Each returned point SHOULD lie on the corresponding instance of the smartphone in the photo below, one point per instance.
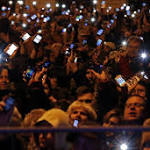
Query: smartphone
(120, 80)
(68, 52)
(37, 20)
(46, 19)
(75, 124)
(84, 42)
(100, 32)
(33, 17)
(10, 49)
(9, 103)
(128, 13)
(112, 21)
(46, 64)
(29, 73)
(99, 42)
(37, 39)
(76, 60)
(26, 36)
(69, 25)
(71, 46)
(64, 30)
(77, 18)
(39, 31)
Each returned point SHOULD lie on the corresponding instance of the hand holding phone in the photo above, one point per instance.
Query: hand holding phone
(37, 39)
(99, 42)
(11, 49)
(119, 79)
(100, 32)
(26, 36)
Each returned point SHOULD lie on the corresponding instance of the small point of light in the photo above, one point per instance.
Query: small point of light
(127, 8)
(134, 12)
(12, 22)
(142, 73)
(133, 15)
(94, 10)
(124, 43)
(25, 15)
(57, 4)
(68, 11)
(64, 30)
(139, 10)
(39, 31)
(125, 15)
(42, 16)
(94, 2)
(34, 3)
(48, 5)
(143, 55)
(63, 6)
(93, 19)
(20, 2)
(109, 7)
(123, 146)
(141, 38)
(107, 10)
(24, 25)
(10, 2)
(124, 5)
(81, 7)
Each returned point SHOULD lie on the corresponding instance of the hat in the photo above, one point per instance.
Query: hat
(56, 117)
(110, 44)
(90, 111)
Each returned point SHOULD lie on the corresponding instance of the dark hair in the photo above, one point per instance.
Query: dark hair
(82, 90)
(5, 67)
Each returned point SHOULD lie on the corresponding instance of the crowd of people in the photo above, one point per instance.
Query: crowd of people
(74, 67)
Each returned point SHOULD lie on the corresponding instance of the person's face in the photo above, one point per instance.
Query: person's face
(139, 90)
(80, 115)
(134, 108)
(87, 98)
(133, 48)
(4, 80)
(53, 55)
(111, 122)
(45, 140)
